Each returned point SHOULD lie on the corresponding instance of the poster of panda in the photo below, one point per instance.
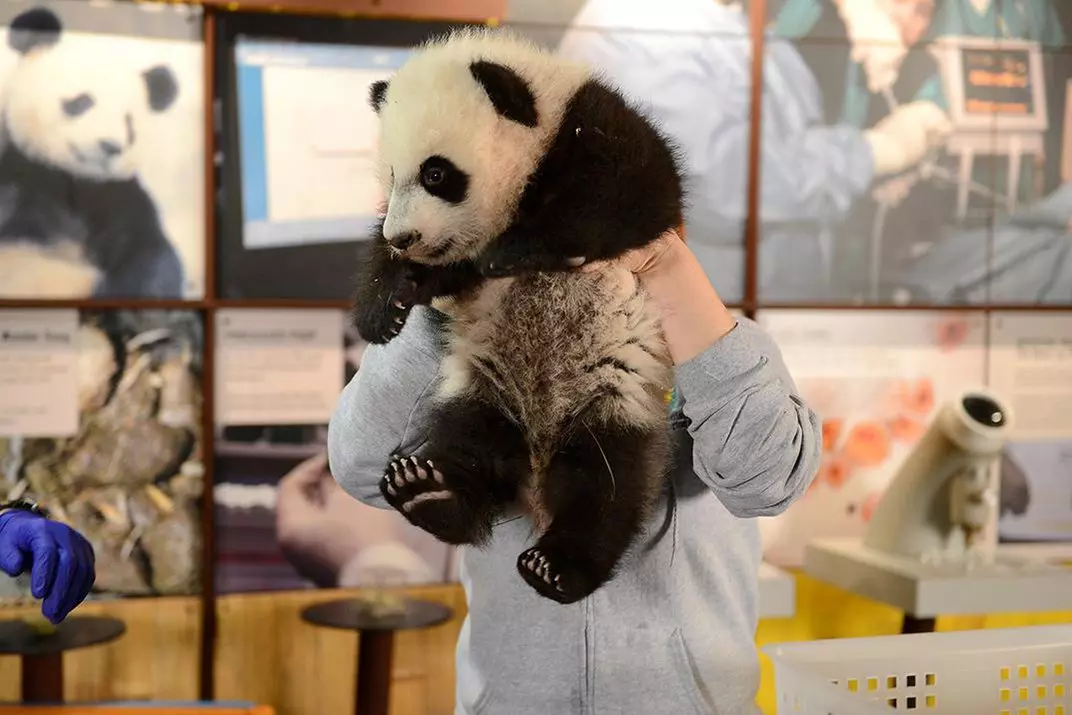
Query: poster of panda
(282, 521)
(102, 150)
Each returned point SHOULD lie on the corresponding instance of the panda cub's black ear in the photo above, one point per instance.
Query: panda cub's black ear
(377, 93)
(162, 87)
(508, 91)
(38, 27)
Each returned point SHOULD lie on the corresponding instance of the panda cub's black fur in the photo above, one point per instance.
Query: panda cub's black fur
(111, 221)
(553, 390)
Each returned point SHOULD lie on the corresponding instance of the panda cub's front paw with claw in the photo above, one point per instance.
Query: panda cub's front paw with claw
(418, 490)
(557, 574)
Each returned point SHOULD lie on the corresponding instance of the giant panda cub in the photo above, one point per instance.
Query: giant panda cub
(506, 167)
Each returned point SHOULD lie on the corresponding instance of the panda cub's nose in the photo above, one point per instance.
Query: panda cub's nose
(110, 148)
(404, 240)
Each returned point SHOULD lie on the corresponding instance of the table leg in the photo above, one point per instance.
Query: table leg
(42, 678)
(911, 624)
(374, 653)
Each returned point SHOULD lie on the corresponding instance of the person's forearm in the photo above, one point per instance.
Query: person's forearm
(693, 316)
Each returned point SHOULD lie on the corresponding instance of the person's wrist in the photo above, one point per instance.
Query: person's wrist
(666, 264)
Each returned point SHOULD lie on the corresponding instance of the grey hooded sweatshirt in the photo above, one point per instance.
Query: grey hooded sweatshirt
(674, 632)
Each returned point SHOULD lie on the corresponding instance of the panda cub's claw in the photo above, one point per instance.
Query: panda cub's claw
(418, 490)
(553, 574)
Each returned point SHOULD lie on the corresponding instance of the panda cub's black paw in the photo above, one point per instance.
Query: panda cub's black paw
(503, 263)
(418, 490)
(380, 323)
(556, 574)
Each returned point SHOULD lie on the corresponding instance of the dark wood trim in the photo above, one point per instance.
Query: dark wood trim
(757, 23)
(207, 677)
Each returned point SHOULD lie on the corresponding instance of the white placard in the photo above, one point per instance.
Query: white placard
(877, 379)
(1031, 368)
(278, 366)
(38, 373)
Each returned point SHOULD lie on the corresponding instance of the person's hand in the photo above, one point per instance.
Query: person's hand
(903, 138)
(319, 526)
(645, 260)
(61, 562)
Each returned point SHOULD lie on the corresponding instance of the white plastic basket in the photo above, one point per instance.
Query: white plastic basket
(1008, 671)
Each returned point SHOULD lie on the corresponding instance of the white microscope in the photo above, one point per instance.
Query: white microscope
(931, 546)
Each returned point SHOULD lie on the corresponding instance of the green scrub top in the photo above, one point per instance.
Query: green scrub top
(1034, 20)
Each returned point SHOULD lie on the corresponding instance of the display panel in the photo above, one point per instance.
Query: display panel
(688, 65)
(877, 379)
(1031, 367)
(307, 140)
(943, 179)
(298, 142)
(282, 521)
(129, 476)
(102, 170)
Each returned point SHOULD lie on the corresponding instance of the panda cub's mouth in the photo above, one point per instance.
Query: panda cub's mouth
(101, 160)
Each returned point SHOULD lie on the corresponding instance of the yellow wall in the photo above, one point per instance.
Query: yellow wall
(268, 655)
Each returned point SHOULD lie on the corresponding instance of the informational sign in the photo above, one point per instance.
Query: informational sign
(877, 380)
(1031, 368)
(38, 373)
(278, 366)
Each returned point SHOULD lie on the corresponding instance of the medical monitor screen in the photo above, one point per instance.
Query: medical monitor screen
(307, 140)
(998, 82)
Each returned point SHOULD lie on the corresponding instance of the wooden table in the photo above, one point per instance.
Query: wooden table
(42, 654)
(375, 647)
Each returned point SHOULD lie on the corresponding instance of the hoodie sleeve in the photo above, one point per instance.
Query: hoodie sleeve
(755, 443)
(382, 409)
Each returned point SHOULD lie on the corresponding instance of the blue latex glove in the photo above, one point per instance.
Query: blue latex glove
(60, 560)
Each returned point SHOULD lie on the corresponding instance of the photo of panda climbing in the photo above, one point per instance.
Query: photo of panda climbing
(931, 159)
(101, 159)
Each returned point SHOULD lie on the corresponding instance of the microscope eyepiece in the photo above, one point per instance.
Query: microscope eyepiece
(984, 410)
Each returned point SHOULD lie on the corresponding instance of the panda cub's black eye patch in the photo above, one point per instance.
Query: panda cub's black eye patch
(78, 106)
(442, 179)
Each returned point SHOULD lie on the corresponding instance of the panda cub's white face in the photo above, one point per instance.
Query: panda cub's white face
(65, 110)
(452, 166)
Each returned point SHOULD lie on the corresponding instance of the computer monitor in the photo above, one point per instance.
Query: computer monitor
(299, 192)
(993, 86)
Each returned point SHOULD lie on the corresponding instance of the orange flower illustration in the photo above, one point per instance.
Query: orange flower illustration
(906, 429)
(951, 333)
(867, 509)
(832, 432)
(834, 472)
(868, 444)
(916, 397)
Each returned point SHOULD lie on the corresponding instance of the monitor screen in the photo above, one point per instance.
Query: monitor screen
(295, 146)
(307, 140)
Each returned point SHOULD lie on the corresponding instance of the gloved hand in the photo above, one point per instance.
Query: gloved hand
(60, 560)
(902, 139)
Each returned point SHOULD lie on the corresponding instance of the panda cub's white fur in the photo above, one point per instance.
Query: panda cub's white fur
(506, 167)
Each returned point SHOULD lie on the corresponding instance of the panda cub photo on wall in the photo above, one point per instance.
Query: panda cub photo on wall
(101, 151)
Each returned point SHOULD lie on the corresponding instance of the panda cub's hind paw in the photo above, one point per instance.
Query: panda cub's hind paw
(418, 490)
(554, 574)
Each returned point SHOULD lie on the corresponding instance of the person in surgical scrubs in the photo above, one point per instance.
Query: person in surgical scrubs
(689, 63)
